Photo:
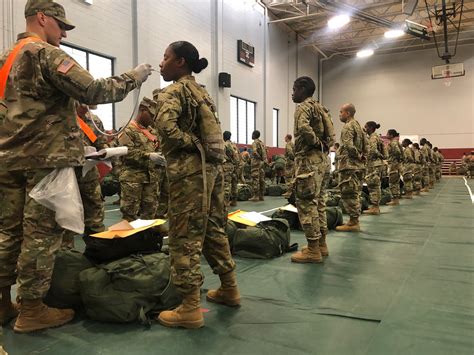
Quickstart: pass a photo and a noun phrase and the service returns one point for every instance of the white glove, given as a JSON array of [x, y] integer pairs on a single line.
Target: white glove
[[158, 159], [142, 72]]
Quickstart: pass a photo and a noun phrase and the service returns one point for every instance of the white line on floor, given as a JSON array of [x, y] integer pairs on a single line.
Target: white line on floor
[[468, 189], [116, 209]]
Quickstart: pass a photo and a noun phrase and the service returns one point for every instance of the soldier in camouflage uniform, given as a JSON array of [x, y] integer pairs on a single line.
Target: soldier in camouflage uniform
[[417, 168], [257, 163], [230, 170], [432, 165], [407, 168], [352, 156], [290, 164], [425, 152], [311, 160], [376, 154], [139, 176], [196, 182], [395, 160], [89, 185], [439, 165], [38, 134]]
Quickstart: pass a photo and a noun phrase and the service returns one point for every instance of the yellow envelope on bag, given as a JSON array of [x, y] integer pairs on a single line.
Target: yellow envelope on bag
[[125, 229], [250, 219]]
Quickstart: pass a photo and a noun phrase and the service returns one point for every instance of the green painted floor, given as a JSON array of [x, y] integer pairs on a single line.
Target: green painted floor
[[404, 285]]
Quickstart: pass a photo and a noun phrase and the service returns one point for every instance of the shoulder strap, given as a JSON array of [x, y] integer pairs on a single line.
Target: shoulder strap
[[7, 67], [146, 132], [86, 129]]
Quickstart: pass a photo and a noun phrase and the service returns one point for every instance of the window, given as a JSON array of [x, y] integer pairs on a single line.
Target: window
[[100, 67], [275, 118], [242, 119]]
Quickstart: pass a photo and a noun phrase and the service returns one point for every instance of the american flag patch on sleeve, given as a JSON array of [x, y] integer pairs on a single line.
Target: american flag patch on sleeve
[[65, 66]]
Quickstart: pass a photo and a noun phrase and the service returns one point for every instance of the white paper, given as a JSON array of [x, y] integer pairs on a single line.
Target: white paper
[[107, 153], [255, 217], [289, 208], [139, 223]]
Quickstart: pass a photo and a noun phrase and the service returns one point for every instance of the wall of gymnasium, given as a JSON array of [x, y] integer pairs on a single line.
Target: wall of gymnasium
[[214, 26], [397, 91]]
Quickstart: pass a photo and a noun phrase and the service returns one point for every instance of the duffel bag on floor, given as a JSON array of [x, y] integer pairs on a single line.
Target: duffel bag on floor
[[126, 290], [276, 189], [230, 230], [244, 192], [290, 217], [334, 217], [266, 240], [64, 291], [102, 250], [386, 196]]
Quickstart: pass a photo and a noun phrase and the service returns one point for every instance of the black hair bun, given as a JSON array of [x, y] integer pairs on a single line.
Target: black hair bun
[[377, 126], [200, 65]]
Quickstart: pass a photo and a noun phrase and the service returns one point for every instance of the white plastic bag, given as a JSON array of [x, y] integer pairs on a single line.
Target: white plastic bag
[[59, 192]]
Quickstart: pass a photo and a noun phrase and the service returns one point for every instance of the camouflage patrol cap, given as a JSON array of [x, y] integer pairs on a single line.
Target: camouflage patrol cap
[[150, 105], [49, 8]]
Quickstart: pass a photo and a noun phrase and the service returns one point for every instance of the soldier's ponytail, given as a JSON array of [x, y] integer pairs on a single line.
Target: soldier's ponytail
[[188, 51]]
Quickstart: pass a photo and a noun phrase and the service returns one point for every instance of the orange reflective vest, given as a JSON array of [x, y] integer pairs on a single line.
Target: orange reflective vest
[[86, 129]]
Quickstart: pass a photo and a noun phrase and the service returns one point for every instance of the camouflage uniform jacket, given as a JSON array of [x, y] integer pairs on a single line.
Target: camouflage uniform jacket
[[40, 129], [395, 152], [101, 141], [259, 151], [309, 127], [136, 165], [353, 148], [376, 151], [425, 151], [409, 156], [290, 151], [176, 125], [231, 153], [440, 157], [417, 156]]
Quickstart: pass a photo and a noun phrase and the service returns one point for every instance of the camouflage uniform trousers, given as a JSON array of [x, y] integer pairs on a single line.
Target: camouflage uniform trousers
[[138, 200], [432, 173], [438, 172], [163, 193], [29, 235], [230, 183], [417, 177], [351, 188], [394, 172], [289, 173], [407, 178], [426, 176], [194, 230], [323, 222], [258, 177], [93, 203], [309, 176], [373, 179]]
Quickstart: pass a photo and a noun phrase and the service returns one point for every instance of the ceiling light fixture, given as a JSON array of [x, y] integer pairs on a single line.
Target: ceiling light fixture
[[365, 53], [338, 21], [393, 33]]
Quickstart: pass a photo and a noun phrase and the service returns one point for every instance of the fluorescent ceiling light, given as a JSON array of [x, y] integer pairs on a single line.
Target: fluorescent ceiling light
[[365, 53], [338, 21], [393, 33]]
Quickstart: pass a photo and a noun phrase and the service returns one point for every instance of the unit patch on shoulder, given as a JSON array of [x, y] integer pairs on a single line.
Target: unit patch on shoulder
[[65, 66]]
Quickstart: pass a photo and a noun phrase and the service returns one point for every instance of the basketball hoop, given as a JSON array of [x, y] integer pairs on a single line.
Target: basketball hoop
[[447, 78]]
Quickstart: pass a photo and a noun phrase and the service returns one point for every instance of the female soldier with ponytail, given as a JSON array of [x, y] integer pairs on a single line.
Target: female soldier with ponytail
[[377, 153], [191, 141]]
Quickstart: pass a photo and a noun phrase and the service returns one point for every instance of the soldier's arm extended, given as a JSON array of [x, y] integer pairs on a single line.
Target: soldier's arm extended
[[73, 80], [166, 122], [303, 128]]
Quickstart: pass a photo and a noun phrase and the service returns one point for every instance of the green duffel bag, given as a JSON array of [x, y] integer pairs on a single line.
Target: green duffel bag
[[128, 289], [333, 217], [230, 230], [266, 240], [244, 192], [386, 196], [290, 217], [333, 197], [276, 189], [65, 291]]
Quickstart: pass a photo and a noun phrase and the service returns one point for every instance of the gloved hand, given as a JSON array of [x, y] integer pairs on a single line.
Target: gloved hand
[[142, 72], [158, 159]]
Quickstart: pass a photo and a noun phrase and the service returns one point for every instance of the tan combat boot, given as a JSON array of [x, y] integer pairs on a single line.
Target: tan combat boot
[[425, 189], [416, 193], [408, 196], [8, 310], [254, 198], [187, 315], [394, 202], [228, 293], [35, 315], [310, 254], [351, 226], [374, 210], [260, 197], [323, 247]]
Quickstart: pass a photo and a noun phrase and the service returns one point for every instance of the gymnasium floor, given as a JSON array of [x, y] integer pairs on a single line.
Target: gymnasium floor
[[404, 285]]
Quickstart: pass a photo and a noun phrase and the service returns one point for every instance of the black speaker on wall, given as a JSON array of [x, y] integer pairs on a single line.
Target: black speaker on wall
[[224, 80]]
